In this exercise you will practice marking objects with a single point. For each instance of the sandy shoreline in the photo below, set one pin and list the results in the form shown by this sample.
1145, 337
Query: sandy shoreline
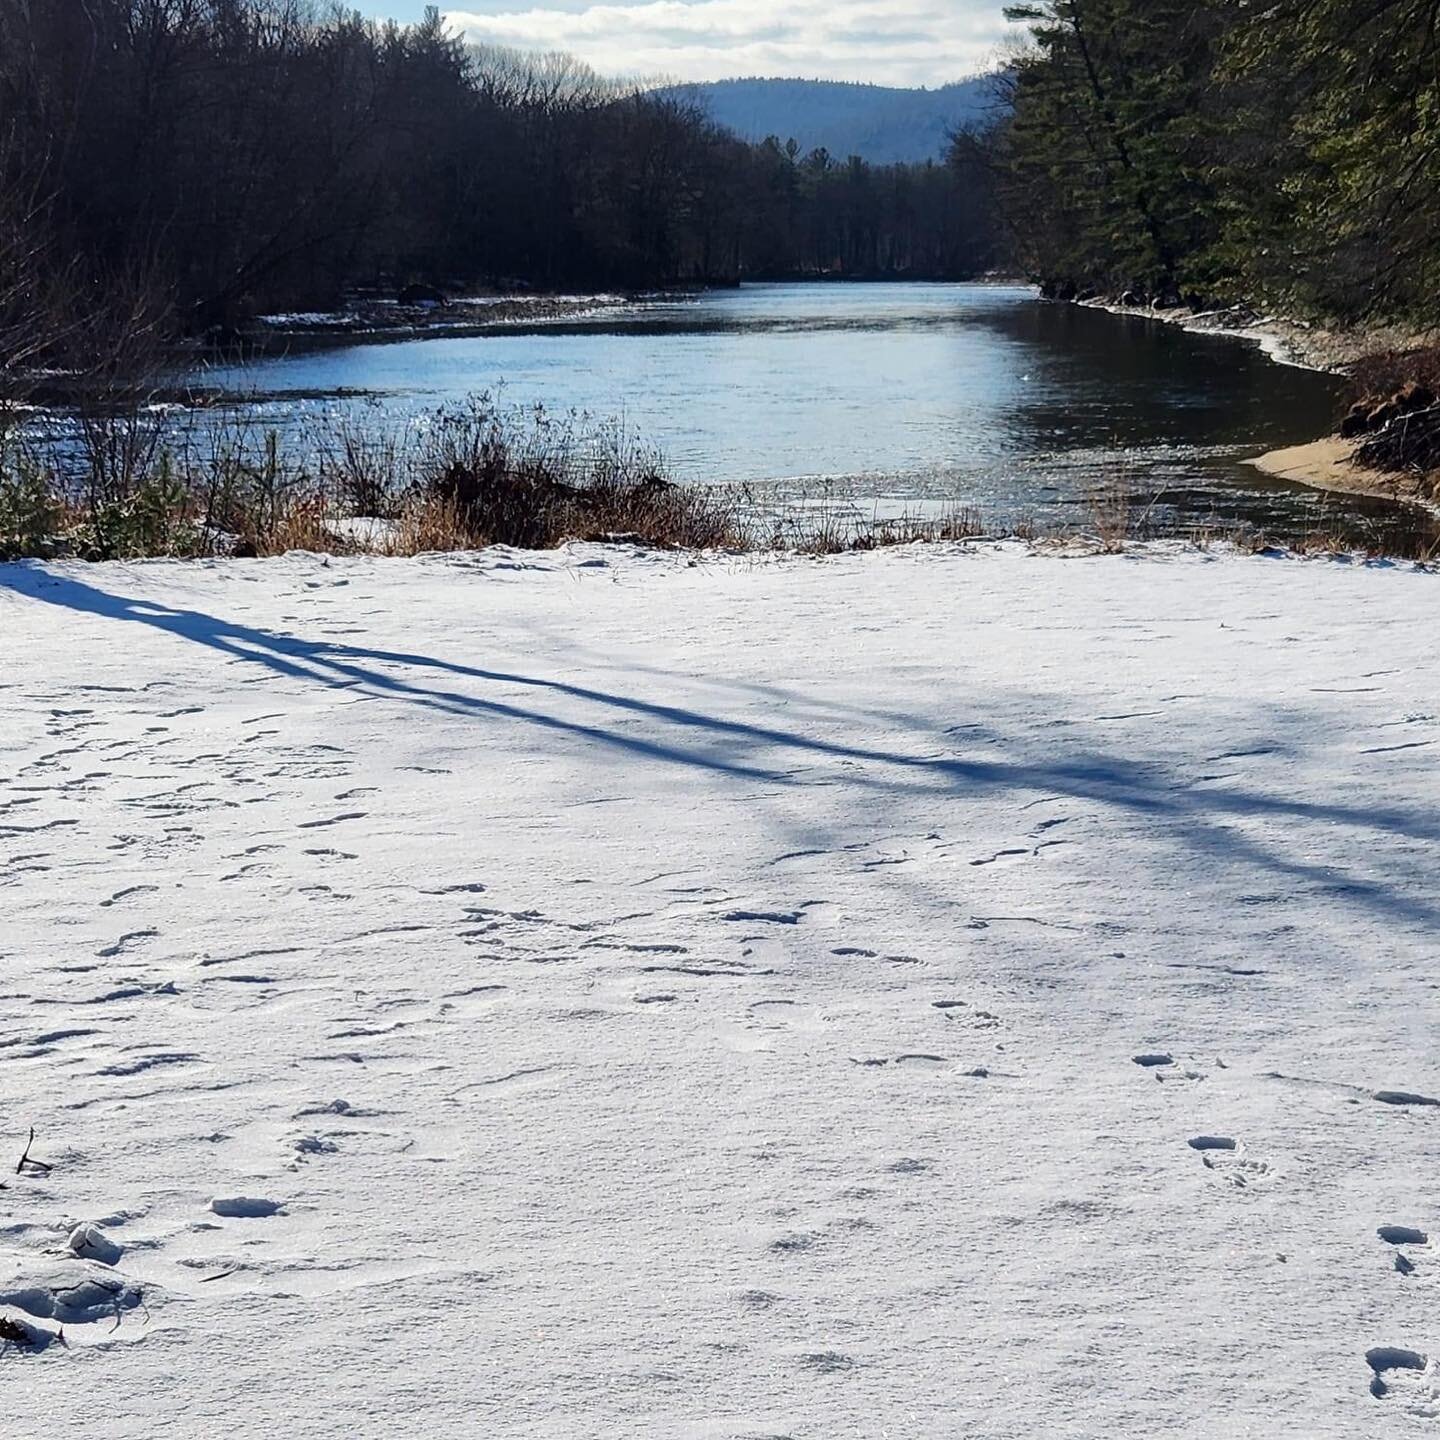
1329, 464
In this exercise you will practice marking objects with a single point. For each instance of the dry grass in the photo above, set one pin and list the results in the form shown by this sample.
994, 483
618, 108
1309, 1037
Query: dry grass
427, 523
478, 477
1117, 512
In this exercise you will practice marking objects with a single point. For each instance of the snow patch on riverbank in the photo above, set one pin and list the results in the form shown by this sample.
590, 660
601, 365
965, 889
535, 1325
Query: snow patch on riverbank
379, 317
937, 992
1287, 342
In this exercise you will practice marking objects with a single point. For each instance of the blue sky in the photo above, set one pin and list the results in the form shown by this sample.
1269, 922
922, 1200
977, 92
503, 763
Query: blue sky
894, 42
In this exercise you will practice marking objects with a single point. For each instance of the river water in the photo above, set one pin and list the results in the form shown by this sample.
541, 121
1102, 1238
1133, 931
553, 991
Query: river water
896, 396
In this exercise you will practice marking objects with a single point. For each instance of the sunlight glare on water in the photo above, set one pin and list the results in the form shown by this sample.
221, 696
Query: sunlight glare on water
899, 394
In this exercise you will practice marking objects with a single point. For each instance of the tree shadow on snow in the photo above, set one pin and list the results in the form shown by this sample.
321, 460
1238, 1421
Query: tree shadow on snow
687, 737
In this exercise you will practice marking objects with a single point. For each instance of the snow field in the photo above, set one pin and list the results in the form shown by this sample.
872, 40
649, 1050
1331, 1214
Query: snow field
942, 992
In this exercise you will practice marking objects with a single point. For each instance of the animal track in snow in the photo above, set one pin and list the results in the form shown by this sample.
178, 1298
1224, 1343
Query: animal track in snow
635, 948
263, 954
1240, 971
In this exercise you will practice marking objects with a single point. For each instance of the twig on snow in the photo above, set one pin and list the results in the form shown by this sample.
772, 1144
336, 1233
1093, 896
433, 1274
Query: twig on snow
38, 1167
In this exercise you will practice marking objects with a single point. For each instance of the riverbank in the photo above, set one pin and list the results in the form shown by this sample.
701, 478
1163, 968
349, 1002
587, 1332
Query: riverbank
384, 319
1330, 464
1290, 342
1327, 463
736, 1022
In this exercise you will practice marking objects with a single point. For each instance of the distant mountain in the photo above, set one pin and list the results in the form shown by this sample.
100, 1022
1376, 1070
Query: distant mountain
876, 122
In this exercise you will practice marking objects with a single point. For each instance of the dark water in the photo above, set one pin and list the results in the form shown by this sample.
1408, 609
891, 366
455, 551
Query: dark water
895, 396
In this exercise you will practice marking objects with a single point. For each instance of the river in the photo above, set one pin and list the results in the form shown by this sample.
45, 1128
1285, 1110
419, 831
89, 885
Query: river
892, 396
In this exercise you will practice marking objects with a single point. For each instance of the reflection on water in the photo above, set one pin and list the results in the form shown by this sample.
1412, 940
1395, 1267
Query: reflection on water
894, 395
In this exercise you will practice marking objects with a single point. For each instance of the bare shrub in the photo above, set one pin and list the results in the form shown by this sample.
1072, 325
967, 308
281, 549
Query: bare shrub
365, 465
115, 354
534, 481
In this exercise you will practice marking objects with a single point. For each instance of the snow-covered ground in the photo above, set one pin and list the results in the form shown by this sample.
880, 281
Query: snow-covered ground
934, 993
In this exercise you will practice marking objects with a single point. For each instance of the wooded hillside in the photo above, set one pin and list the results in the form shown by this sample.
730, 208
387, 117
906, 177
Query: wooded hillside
182, 164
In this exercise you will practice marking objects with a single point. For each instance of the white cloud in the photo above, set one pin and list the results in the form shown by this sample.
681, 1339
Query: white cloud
896, 42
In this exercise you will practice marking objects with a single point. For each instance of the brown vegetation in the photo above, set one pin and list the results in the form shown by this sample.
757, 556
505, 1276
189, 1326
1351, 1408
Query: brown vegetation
1396, 415
128, 482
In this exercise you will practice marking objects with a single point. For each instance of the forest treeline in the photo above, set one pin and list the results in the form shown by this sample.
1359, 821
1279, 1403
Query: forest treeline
218, 158
1284, 152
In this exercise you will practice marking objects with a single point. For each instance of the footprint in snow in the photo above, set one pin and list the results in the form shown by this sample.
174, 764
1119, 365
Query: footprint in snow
911, 1061
244, 1207
1226, 1158
313, 1145
1403, 1097
52, 1292
826, 1362
126, 942
910, 1165
332, 820
1002, 858
1407, 1375
1164, 1066
962, 1012
90, 1242
1406, 1235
